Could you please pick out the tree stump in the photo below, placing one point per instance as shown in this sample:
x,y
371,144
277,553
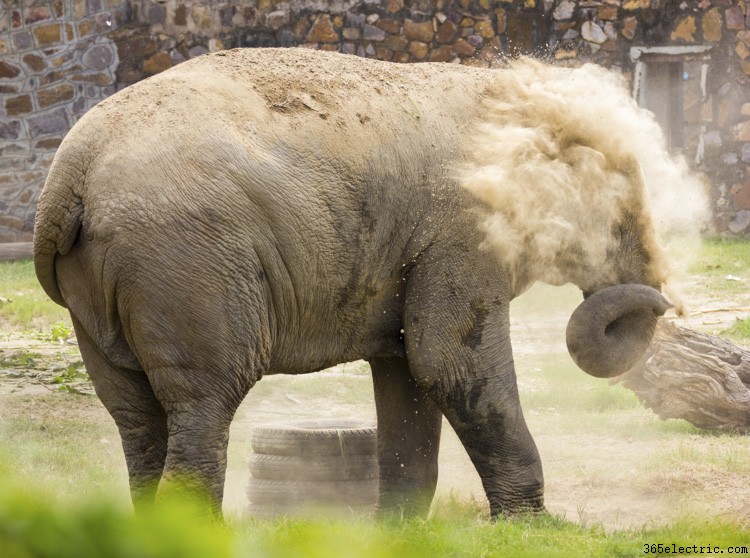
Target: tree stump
x,y
689,375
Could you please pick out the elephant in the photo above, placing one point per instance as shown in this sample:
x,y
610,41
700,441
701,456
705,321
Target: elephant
x,y
280,211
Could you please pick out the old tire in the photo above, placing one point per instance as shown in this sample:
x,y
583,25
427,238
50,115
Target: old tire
x,y
303,493
325,468
313,467
315,438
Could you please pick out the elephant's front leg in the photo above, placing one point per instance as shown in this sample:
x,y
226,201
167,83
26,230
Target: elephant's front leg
x,y
458,348
408,439
486,415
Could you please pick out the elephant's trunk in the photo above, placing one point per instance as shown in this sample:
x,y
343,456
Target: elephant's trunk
x,y
611,329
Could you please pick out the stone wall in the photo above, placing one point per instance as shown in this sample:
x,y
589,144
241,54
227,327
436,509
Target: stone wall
x,y
58,58
56,61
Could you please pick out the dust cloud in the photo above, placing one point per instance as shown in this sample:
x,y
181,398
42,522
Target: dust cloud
x,y
561,155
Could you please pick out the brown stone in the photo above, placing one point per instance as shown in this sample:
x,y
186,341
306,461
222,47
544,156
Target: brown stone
x,y
446,31
50,143
52,96
467,22
607,12
744,37
36,14
741,50
741,131
392,6
401,57
70,33
157,63
629,25
388,25
396,43
484,29
609,45
442,54
85,27
8,70
463,48
201,16
741,196
745,66
418,31
351,33
136,48
49,34
631,5
711,24
50,77
59,8
322,31
735,18
180,15
382,53
745,109
301,28
79,8
18,105
685,30
418,49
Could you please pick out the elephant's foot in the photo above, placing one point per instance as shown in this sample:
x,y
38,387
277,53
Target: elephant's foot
x,y
402,498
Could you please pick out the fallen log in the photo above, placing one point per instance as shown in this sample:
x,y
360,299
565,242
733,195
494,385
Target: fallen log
x,y
689,375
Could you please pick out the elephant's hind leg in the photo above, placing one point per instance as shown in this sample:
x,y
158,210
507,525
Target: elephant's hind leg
x,y
139,416
408,439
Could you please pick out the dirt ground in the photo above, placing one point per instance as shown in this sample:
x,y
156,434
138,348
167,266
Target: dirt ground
x,y
609,473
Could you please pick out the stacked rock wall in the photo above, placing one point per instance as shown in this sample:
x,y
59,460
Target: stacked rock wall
x,y
56,62
58,58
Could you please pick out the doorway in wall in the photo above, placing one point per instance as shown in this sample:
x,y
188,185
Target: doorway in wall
x,y
671,83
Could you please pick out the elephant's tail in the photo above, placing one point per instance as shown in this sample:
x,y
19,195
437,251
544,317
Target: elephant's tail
x,y
58,220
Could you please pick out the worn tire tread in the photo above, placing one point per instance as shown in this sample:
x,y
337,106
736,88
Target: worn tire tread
x,y
327,468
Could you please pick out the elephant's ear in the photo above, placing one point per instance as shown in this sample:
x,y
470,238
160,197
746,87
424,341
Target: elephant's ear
x,y
611,329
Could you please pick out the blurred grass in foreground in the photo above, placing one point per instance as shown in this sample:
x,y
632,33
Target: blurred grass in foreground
x,y
32,525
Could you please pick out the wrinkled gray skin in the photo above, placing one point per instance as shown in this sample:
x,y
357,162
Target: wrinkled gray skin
x,y
263,212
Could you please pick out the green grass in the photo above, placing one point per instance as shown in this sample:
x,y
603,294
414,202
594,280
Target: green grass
x,y
24,304
33,525
61,441
739,331
720,258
